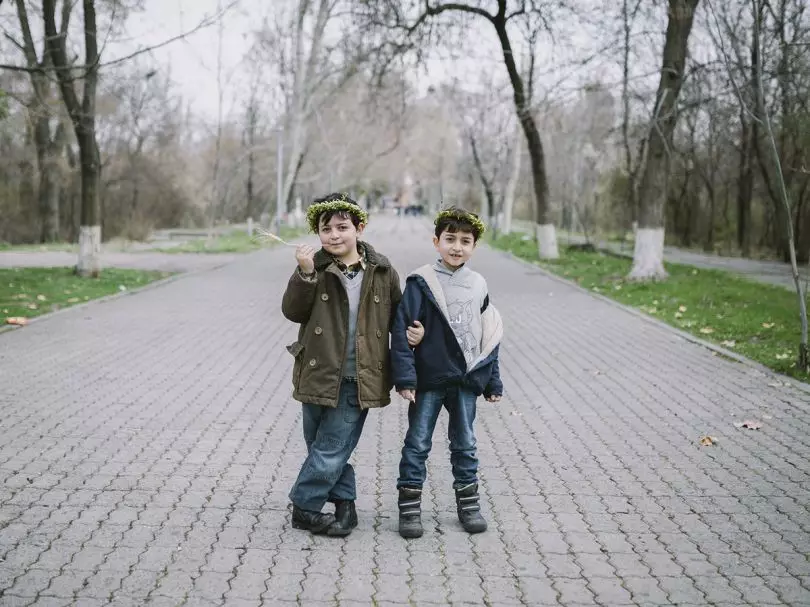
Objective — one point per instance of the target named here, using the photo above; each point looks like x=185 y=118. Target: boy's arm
x=396 y=297
x=299 y=298
x=495 y=386
x=403 y=363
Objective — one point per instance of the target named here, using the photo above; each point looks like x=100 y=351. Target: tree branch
x=434 y=11
x=205 y=23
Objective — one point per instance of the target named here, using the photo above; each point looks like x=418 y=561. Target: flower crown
x=316 y=210
x=471 y=218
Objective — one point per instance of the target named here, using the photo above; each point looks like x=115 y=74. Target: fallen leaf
x=678 y=315
x=708 y=441
x=682 y=309
x=20 y=321
x=767 y=325
x=728 y=343
x=707 y=330
x=73 y=300
x=782 y=356
x=32 y=306
x=41 y=297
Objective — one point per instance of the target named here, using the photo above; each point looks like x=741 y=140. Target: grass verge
x=30 y=292
x=234 y=242
x=758 y=321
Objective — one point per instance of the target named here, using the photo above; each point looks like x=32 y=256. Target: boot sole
x=473 y=530
x=313 y=530
x=411 y=535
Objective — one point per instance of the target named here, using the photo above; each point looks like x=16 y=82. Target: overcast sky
x=193 y=60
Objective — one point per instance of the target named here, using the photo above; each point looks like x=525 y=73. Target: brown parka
x=321 y=306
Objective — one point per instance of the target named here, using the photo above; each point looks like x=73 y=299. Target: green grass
x=49 y=246
x=233 y=242
x=30 y=292
x=756 y=320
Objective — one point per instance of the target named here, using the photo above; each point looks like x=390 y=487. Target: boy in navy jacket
x=456 y=363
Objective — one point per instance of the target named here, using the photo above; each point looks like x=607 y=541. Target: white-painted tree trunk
x=547 y=241
x=298 y=216
x=648 y=256
x=89 y=263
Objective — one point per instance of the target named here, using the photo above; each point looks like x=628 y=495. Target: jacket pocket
x=296 y=349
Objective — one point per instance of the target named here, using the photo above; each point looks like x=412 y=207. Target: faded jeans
x=422 y=417
x=331 y=435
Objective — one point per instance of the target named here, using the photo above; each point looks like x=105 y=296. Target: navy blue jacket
x=438 y=361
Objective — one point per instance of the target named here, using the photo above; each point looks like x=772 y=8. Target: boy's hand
x=416 y=332
x=305 y=256
x=494 y=398
x=409 y=395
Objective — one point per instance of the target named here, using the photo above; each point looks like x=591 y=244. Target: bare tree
x=648 y=257
x=48 y=139
x=391 y=16
x=83 y=116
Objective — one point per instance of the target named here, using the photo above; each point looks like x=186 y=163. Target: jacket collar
x=323 y=259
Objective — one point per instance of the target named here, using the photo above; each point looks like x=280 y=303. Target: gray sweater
x=352 y=286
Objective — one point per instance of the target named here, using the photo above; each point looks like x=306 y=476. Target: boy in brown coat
x=344 y=296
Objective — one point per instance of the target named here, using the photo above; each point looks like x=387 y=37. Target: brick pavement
x=147 y=445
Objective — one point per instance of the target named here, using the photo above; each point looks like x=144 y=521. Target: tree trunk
x=488 y=208
x=83 y=117
x=545 y=231
x=745 y=188
x=511 y=185
x=48 y=160
x=648 y=257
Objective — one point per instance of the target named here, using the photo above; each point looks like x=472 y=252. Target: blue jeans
x=422 y=416
x=331 y=435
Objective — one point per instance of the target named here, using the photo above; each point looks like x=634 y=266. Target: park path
x=147 y=445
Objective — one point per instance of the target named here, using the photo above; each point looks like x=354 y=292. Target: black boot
x=345 y=519
x=469 y=509
x=410 y=512
x=316 y=522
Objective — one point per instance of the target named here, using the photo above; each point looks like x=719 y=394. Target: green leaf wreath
x=316 y=210
x=470 y=218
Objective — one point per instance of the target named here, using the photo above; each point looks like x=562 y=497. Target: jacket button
x=376 y=299
x=379 y=365
x=379 y=333
x=312 y=363
x=324 y=297
x=318 y=330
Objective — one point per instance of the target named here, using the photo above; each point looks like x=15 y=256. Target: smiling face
x=455 y=248
x=339 y=236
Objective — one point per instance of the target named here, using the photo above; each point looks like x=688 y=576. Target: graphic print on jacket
x=460 y=316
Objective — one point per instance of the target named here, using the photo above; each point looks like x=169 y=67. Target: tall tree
x=648 y=257
x=390 y=15
x=83 y=116
x=48 y=128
